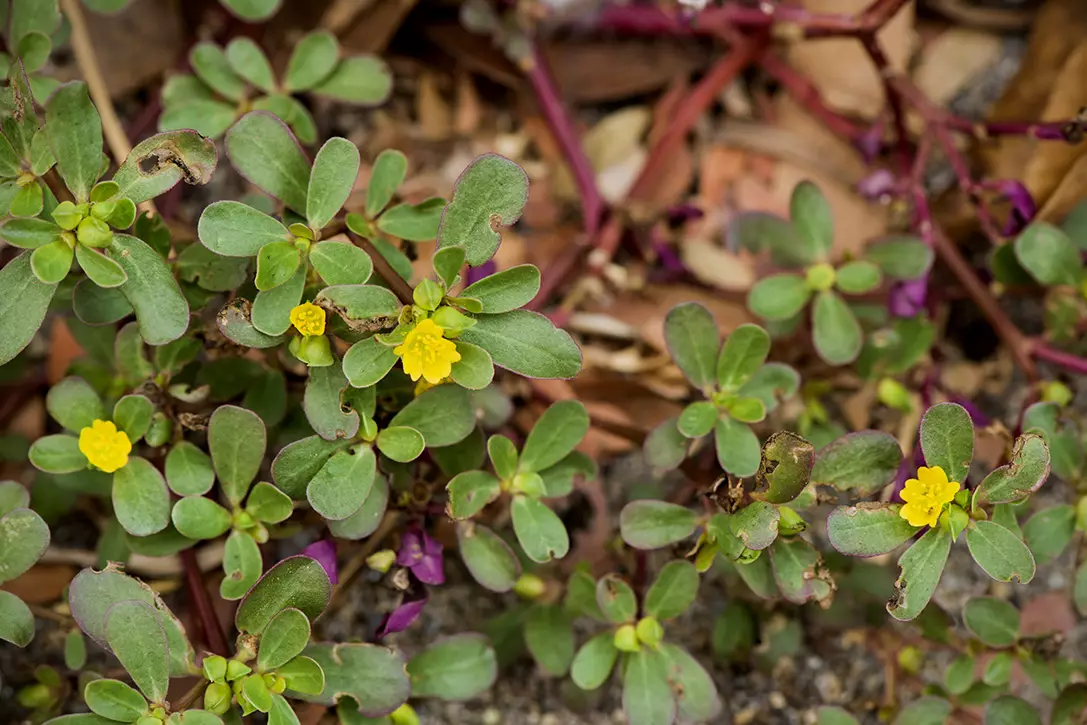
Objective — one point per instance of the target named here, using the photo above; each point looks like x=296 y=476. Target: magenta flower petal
x=907 y=299
x=324 y=551
x=404 y=615
x=876 y=185
x=1023 y=206
x=484 y=270
x=422 y=555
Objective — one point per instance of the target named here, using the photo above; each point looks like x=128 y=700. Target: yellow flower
x=424 y=385
x=926 y=495
x=104 y=446
x=427 y=354
x=309 y=319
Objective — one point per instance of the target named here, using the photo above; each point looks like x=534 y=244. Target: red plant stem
x=1055 y=131
x=205 y=611
x=1066 y=360
x=807 y=95
x=562 y=128
x=791 y=22
x=894 y=100
x=607 y=239
x=399 y=287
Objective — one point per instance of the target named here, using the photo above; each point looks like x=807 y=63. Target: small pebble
x=777 y=700
x=491 y=716
x=829 y=686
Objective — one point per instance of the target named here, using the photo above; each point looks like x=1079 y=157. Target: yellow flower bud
x=649 y=631
x=626 y=639
x=530 y=586
x=382 y=560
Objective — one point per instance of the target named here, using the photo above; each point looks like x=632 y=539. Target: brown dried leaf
x=954 y=58
x=1051 y=162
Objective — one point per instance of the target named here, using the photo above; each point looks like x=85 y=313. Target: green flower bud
x=530 y=484
x=452 y=321
x=649 y=631
x=67 y=216
x=820 y=277
x=278 y=685
x=404 y=715
x=705 y=557
x=93 y=232
x=382 y=560
x=790 y=523
x=244 y=520
x=259 y=532
x=35 y=697
x=158 y=434
x=530 y=586
x=269 y=680
x=236 y=670
x=1057 y=392
x=748 y=556
x=367 y=428
x=894 y=394
x=955 y=519
x=626 y=639
x=215 y=668
x=314 y=350
x=911 y=659
x=217 y=698
x=148 y=720
x=428 y=294
x=104 y=210
x=301 y=231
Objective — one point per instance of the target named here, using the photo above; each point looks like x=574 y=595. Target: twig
x=894 y=100
x=201 y=602
x=1071 y=362
x=562 y=128
x=354 y=566
x=396 y=283
x=87 y=60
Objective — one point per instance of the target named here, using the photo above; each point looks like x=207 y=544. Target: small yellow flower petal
x=926 y=496
x=104 y=446
x=309 y=319
x=427 y=354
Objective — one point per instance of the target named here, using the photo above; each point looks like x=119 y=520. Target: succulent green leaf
x=343 y=483
x=1001 y=553
x=141 y=500
x=925 y=711
x=413 y=222
x=491 y=193
x=361 y=79
x=138 y=639
x=1048 y=254
x=693 y=340
x=51 y=262
x=25 y=537
x=947 y=440
x=737 y=447
x=335 y=170
x=526 y=343
x=1022 y=475
x=161 y=309
x=1049 y=532
x=157 y=164
x=271 y=312
x=647 y=695
x=756 y=231
x=374 y=676
x=837 y=334
x=901 y=257
x=207 y=117
x=313 y=59
x=303 y=675
x=237 y=441
x=323 y=404
x=188 y=470
x=489 y=559
x=475 y=369
x=742 y=355
x=74 y=130
x=24 y=300
x=810 y=213
x=13 y=496
x=868 y=529
x=265 y=152
x=673 y=591
x=362 y=306
x=920 y=567
x=797 y=569
x=197 y=517
x=367 y=362
x=298 y=462
x=594 y=662
x=233 y=229
x=276 y=264
x=114 y=700
x=556 y=433
x=539 y=530
x=863 y=462
x=549 y=635
x=74 y=404
x=16 y=620
x=401 y=443
x=1011 y=710
x=242 y=565
x=756 y=525
x=785 y=467
x=616 y=599
x=57 y=454
x=132 y=414
x=470 y=492
x=340 y=263
x=454 y=669
x=285 y=637
x=443 y=414
x=858 y=277
x=249 y=61
x=29 y=233
x=297 y=581
x=655 y=524
x=697 y=419
x=365 y=521
x=696 y=694
x=993 y=621
x=507 y=290
x=390 y=168
x=210 y=63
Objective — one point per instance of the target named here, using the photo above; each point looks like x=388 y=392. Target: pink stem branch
x=1066 y=360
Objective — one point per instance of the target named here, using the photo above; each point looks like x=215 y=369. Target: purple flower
x=484 y=270
x=876 y=185
x=422 y=555
x=684 y=213
x=870 y=143
x=1023 y=206
x=907 y=298
x=405 y=614
x=324 y=552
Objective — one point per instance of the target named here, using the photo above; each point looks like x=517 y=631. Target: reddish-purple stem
x=562 y=128
x=1066 y=360
x=201 y=602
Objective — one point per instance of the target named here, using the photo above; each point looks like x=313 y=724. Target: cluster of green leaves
x=24 y=537
x=1050 y=256
x=226 y=83
x=275 y=658
x=544 y=468
x=252 y=11
x=985 y=514
x=804 y=242
x=738 y=385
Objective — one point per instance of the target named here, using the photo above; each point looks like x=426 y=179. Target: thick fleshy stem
x=566 y=136
x=201 y=602
x=1071 y=131
x=1068 y=361
x=399 y=287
